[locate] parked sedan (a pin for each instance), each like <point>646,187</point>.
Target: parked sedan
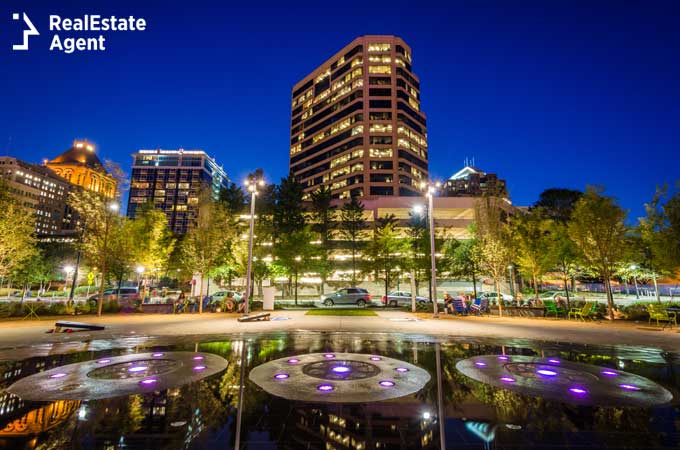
<point>401,298</point>
<point>559,296</point>
<point>493,296</point>
<point>347,296</point>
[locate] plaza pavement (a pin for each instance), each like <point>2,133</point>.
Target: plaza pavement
<point>151,327</point>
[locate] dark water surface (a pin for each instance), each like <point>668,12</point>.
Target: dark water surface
<point>483,414</point>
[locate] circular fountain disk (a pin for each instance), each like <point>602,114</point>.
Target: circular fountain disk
<point>118,375</point>
<point>339,378</point>
<point>565,381</point>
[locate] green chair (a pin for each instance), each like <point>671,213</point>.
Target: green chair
<point>659,313</point>
<point>582,313</point>
<point>552,308</point>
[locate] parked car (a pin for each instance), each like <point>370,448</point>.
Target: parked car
<point>493,296</point>
<point>347,296</point>
<point>556,296</point>
<point>219,296</point>
<point>126,293</point>
<point>401,298</point>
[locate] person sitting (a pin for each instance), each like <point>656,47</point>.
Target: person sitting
<point>242,304</point>
<point>229,302</point>
<point>448,303</point>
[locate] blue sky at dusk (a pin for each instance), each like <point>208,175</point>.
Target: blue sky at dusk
<point>546,94</point>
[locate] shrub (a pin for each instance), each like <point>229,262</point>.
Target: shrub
<point>57,309</point>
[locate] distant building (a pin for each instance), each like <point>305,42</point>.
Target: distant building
<point>357,125</point>
<point>42,193</point>
<point>171,180</point>
<point>79,165</point>
<point>472,182</point>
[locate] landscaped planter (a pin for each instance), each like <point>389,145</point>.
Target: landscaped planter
<point>518,311</point>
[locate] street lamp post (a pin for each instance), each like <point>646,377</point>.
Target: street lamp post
<point>69,270</point>
<point>251,185</point>
<point>637,291</point>
<point>430,189</point>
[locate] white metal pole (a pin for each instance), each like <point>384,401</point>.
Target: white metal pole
<point>250,250</point>
<point>430,211</point>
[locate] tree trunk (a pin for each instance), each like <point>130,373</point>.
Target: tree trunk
<point>536,288</point>
<point>499,297</point>
<point>102,285</point>
<point>474,281</point>
<point>566,289</point>
<point>200,296</point>
<point>656,287</point>
<point>354,266</point>
<point>610,297</point>
<point>296,288</point>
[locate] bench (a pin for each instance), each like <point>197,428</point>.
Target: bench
<point>77,325</point>
<point>584,313</point>
<point>254,317</point>
<point>659,313</point>
<point>162,308</point>
<point>551,308</point>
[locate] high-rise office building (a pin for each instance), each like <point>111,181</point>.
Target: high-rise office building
<point>172,180</point>
<point>43,194</point>
<point>357,125</point>
<point>472,182</point>
<point>79,165</point>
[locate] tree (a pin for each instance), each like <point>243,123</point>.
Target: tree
<point>207,243</point>
<point>563,253</point>
<point>532,241</point>
<point>153,242</point>
<point>462,257</point>
<point>658,235</point>
<point>17,239</point>
<point>289,215</point>
<point>383,247</point>
<point>233,198</point>
<point>419,244</point>
<point>352,228</point>
<point>102,228</point>
<point>293,253</point>
<point>323,224</point>
<point>558,204</point>
<point>494,241</point>
<point>598,230</point>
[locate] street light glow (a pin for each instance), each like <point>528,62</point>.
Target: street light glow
<point>140,269</point>
<point>418,209</point>
<point>113,206</point>
<point>68,269</point>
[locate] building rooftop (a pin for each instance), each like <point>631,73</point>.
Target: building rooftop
<point>81,153</point>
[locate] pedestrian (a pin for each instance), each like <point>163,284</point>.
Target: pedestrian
<point>242,304</point>
<point>448,303</point>
<point>229,302</point>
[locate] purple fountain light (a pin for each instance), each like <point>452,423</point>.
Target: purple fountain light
<point>135,369</point>
<point>480,364</point>
<point>401,369</point>
<point>198,358</point>
<point>554,361</point>
<point>58,375</point>
<point>325,387</point>
<point>329,355</point>
<point>546,372</point>
<point>609,373</point>
<point>103,361</point>
<point>386,383</point>
<point>199,368</point>
<point>341,369</point>
<point>293,361</point>
<point>503,358</point>
<point>578,391</point>
<point>376,358</point>
<point>508,379</point>
<point>157,355</point>
<point>281,376</point>
<point>629,387</point>
<point>148,381</point>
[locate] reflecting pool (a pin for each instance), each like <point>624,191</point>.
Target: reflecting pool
<point>338,391</point>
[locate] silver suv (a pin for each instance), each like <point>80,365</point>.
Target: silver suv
<point>347,296</point>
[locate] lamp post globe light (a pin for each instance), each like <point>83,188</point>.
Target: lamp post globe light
<point>69,270</point>
<point>252,185</point>
<point>430,188</point>
<point>633,267</point>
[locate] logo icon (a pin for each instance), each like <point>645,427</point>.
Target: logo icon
<point>32,31</point>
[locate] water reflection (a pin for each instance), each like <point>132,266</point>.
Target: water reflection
<point>203,415</point>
